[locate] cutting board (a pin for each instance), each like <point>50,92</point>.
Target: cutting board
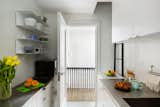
<point>24,89</point>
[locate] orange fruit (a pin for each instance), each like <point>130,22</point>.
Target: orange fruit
<point>27,84</point>
<point>35,83</point>
<point>29,80</point>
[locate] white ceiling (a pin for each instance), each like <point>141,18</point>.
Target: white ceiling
<point>69,6</point>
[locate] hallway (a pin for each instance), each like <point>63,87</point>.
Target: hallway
<point>81,94</point>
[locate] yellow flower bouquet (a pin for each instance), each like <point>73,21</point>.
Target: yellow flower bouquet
<point>7,74</point>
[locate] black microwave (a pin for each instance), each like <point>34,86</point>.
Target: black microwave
<point>44,70</point>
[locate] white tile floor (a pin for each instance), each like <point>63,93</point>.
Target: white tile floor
<point>80,104</point>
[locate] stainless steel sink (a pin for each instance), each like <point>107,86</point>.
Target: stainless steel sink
<point>143,102</point>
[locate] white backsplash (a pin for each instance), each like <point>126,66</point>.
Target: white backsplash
<point>141,53</point>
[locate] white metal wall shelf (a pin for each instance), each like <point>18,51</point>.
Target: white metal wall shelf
<point>26,41</point>
<point>32,29</point>
<point>36,41</point>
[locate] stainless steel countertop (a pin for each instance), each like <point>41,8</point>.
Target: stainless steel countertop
<point>119,95</point>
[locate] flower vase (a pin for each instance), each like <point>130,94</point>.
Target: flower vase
<point>5,91</point>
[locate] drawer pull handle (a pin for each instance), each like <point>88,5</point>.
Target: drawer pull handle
<point>44,99</point>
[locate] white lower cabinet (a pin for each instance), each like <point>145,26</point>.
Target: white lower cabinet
<point>37,99</point>
<point>104,99</point>
<point>29,103</point>
<point>43,98</point>
<point>48,96</point>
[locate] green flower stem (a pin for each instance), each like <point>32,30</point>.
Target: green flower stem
<point>5,91</point>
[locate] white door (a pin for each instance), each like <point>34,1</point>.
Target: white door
<point>61,33</point>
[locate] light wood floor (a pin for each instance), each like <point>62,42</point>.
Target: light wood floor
<point>81,94</point>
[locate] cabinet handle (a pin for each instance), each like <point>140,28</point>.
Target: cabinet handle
<point>44,88</point>
<point>44,99</point>
<point>55,92</point>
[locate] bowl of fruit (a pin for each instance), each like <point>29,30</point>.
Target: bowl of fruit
<point>110,73</point>
<point>123,86</point>
<point>29,85</point>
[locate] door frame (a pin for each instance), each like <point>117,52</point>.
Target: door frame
<point>96,23</point>
<point>61,67</point>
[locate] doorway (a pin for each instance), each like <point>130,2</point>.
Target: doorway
<point>77,63</point>
<point>81,65</point>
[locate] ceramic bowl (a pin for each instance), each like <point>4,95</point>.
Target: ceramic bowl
<point>29,21</point>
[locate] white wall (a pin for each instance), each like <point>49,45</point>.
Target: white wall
<point>103,18</point>
<point>103,13</point>
<point>9,33</point>
<point>142,52</point>
<point>52,44</point>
